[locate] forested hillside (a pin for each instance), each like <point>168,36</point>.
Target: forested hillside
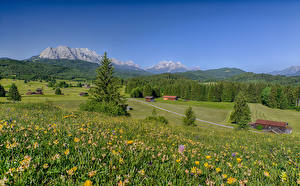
<point>213,74</point>
<point>57,69</point>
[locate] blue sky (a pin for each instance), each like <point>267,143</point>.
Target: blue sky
<point>259,36</point>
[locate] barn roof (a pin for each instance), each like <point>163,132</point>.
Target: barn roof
<point>271,123</point>
<point>170,96</point>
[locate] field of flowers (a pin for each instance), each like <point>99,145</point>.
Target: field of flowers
<point>42,144</point>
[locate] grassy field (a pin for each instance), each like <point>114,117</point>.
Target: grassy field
<point>46,140</point>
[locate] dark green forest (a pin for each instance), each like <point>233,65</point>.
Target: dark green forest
<point>271,94</point>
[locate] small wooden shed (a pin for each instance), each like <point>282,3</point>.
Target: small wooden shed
<point>272,126</point>
<point>149,98</point>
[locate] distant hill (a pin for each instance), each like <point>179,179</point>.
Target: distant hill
<point>213,74</point>
<point>291,71</point>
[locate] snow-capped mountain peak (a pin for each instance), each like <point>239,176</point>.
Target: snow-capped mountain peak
<point>167,66</point>
<point>84,54</point>
<point>291,71</point>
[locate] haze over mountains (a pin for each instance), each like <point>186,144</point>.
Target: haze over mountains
<point>291,71</point>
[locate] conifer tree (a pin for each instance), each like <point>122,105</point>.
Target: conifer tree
<point>58,91</point>
<point>107,87</point>
<point>272,100</point>
<point>2,91</point>
<point>147,91</point>
<point>241,114</point>
<point>13,93</point>
<point>190,117</point>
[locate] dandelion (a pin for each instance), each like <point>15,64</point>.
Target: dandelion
<point>197,162</point>
<point>45,166</point>
<point>208,157</point>
<point>238,160</point>
<point>76,140</point>
<point>67,152</point>
<point>142,172</point>
<point>181,149</point>
<point>72,171</point>
<point>231,180</point>
<point>88,183</point>
<point>130,142</point>
<point>178,160</point>
<point>35,145</point>
<point>283,177</point>
<point>121,161</point>
<point>218,169</point>
<point>266,174</point>
<point>206,164</point>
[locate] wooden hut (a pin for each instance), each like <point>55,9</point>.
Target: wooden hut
<point>272,126</point>
<point>173,98</point>
<point>149,98</point>
<point>83,94</point>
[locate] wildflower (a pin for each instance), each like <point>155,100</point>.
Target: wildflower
<point>266,174</point>
<point>121,161</point>
<point>238,160</point>
<point>224,176</point>
<point>67,152</point>
<point>130,142</point>
<point>35,145</point>
<point>72,171</point>
<point>76,140</point>
<point>55,142</point>
<point>206,164</point>
<point>197,162</point>
<point>283,177</point>
<point>208,157</point>
<point>92,173</point>
<point>231,180</point>
<point>178,160</point>
<point>218,169</point>
<point>88,183</point>
<point>142,172</point>
<point>45,166</point>
<point>181,149</point>
<point>233,154</point>
<point>120,183</point>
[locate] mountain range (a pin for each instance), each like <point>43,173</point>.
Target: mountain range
<point>290,71</point>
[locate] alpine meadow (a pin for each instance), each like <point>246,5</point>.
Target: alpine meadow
<point>168,92</point>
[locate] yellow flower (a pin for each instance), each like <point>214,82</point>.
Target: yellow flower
<point>45,166</point>
<point>35,145</point>
<point>218,170</point>
<point>206,164</point>
<point>178,160</point>
<point>121,161</point>
<point>72,171</point>
<point>208,157</point>
<point>231,180</point>
<point>76,140</point>
<point>142,172</point>
<point>238,160</point>
<point>224,176</point>
<point>129,142</point>
<point>266,174</point>
<point>88,183</point>
<point>67,151</point>
<point>197,162</point>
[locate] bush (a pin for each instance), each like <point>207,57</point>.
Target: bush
<point>103,107</point>
<point>159,119</point>
<point>297,108</point>
<point>259,127</point>
<point>58,91</point>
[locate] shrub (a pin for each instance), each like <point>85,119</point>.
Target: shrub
<point>2,91</point>
<point>104,107</point>
<point>58,91</point>
<point>190,117</point>
<point>259,127</point>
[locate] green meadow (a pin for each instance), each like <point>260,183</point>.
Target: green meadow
<point>47,140</point>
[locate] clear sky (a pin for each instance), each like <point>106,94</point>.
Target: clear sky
<point>259,36</point>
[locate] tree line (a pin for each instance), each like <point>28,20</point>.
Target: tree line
<point>272,95</point>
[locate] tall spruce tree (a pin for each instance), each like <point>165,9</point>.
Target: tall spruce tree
<point>13,93</point>
<point>2,91</point>
<point>190,117</point>
<point>241,114</point>
<point>107,87</point>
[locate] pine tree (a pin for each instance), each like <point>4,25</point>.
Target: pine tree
<point>2,91</point>
<point>190,117</point>
<point>241,114</point>
<point>147,91</point>
<point>58,91</point>
<point>272,100</point>
<point>107,87</point>
<point>265,94</point>
<point>13,93</point>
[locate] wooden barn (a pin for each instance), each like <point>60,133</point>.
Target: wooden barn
<point>38,91</point>
<point>173,98</point>
<point>149,98</point>
<point>272,126</point>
